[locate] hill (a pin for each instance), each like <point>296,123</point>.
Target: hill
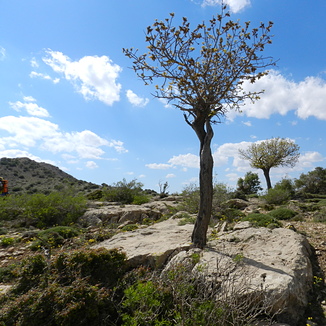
<point>27,176</point>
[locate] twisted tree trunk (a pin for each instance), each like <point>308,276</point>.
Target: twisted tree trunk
<point>199,234</point>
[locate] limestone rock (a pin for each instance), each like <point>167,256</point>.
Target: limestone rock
<point>277,260</point>
<point>152,245</point>
<point>106,213</point>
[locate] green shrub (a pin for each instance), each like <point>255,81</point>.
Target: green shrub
<point>276,196</point>
<point>262,220</point>
<point>31,273</point>
<point>79,288</point>
<point>54,237</point>
<point>283,213</point>
<point>320,216</point>
<point>130,227</point>
<point>6,241</point>
<point>54,209</point>
<point>123,192</point>
<point>190,199</point>
<point>140,199</point>
<point>100,266</point>
<point>8,273</point>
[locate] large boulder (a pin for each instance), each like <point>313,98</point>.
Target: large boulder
<point>152,245</point>
<point>277,260</point>
<point>106,213</point>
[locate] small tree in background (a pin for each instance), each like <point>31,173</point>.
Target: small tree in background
<point>313,182</point>
<point>250,184</point>
<point>271,153</point>
<point>202,71</point>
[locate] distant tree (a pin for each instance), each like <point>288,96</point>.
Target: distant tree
<point>314,182</point>
<point>271,153</point>
<point>202,72</point>
<point>250,184</point>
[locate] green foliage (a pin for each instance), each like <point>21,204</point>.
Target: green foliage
<point>282,213</point>
<point>262,220</point>
<point>146,303</point>
<point>177,297</point>
<point>190,198</point>
<point>250,184</point>
<point>130,227</point>
<point>187,220</point>
<point>140,199</point>
<point>54,237</point>
<point>6,241</point>
<point>313,182</point>
<point>271,153</point>
<point>75,289</point>
<point>8,273</point>
<point>123,192</point>
<point>57,208</point>
<point>287,185</point>
<point>31,274</point>
<point>276,196</point>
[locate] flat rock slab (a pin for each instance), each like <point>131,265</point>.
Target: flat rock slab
<point>152,245</point>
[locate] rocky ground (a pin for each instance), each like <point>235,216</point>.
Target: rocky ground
<point>315,233</point>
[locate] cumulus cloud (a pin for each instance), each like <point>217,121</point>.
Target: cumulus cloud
<point>235,5</point>
<point>91,165</point>
<point>94,77</point>
<point>185,160</point>
<point>306,98</point>
<point>36,132</point>
<point>135,100</point>
<point>30,107</point>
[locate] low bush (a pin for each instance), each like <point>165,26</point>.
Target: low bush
<point>283,213</point>
<point>276,196</point>
<point>262,220</point>
<point>54,237</point>
<point>75,289</point>
<point>124,192</point>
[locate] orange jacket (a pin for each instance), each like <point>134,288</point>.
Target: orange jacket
<point>4,186</point>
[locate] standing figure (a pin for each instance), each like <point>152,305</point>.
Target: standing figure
<point>3,187</point>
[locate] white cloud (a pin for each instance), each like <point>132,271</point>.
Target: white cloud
<point>170,175</point>
<point>247,123</point>
<point>135,100</point>
<point>2,53</point>
<point>118,146</point>
<point>14,153</point>
<point>235,5</point>
<point>159,166</point>
<point>35,74</point>
<point>94,77</point>
<point>306,98</point>
<point>91,165</point>
<point>31,108</point>
<point>34,63</point>
<point>36,132</point>
<point>185,160</point>
<point>29,99</point>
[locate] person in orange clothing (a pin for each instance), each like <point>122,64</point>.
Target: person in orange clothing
<point>3,187</point>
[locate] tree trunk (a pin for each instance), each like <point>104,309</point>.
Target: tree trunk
<point>199,234</point>
<point>268,179</point>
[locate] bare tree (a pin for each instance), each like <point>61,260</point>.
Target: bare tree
<point>202,71</point>
<point>271,153</point>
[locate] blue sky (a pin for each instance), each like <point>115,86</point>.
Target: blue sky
<point>68,96</point>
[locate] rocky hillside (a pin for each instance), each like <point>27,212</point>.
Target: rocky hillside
<point>27,176</point>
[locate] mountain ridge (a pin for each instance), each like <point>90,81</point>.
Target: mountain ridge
<point>25,175</point>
